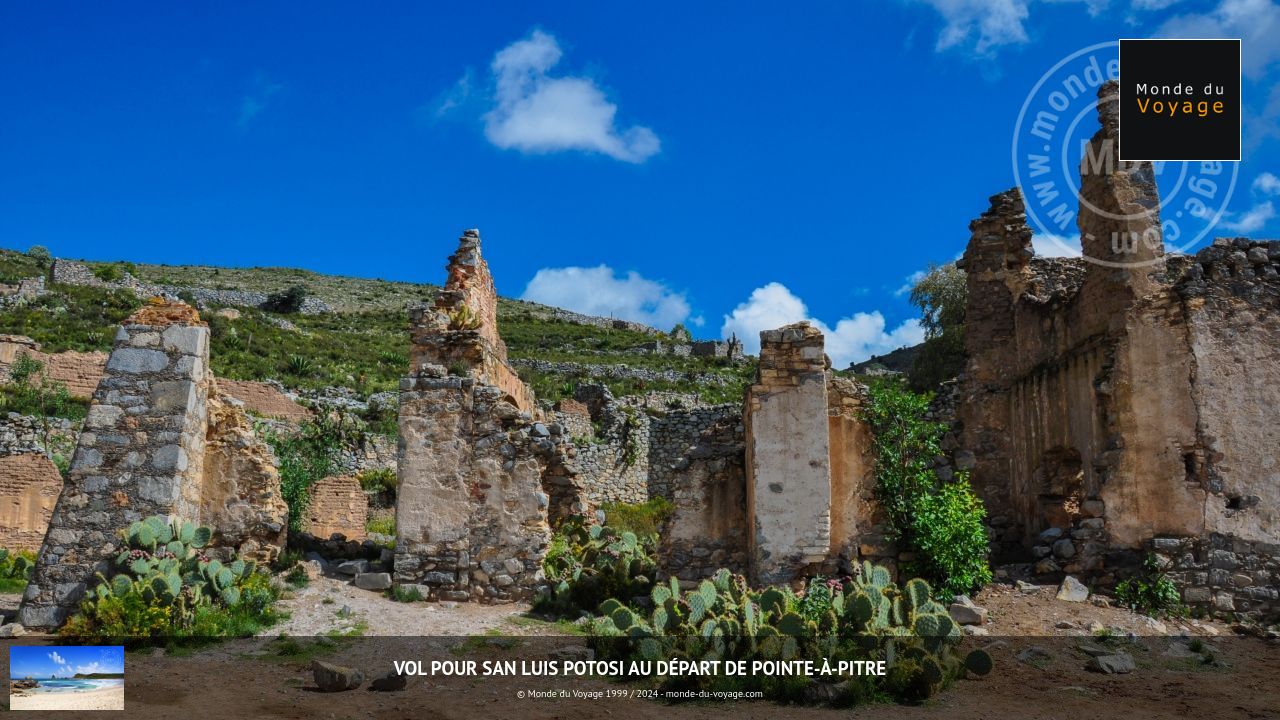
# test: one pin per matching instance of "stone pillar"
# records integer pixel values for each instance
(996, 265)
(1119, 216)
(788, 456)
(140, 454)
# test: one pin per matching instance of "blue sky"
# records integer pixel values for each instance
(64, 660)
(728, 165)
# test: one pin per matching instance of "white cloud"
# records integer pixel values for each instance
(57, 659)
(600, 291)
(93, 667)
(257, 99)
(455, 96)
(984, 24)
(1256, 217)
(1252, 220)
(1267, 184)
(1056, 245)
(534, 112)
(1154, 4)
(910, 283)
(1255, 22)
(853, 339)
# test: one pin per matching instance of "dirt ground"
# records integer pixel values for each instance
(270, 678)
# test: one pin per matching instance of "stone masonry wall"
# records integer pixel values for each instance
(1111, 409)
(706, 529)
(472, 511)
(140, 454)
(787, 455)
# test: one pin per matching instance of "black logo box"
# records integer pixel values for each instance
(1180, 63)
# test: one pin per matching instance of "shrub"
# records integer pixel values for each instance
(378, 480)
(400, 593)
(644, 519)
(587, 564)
(382, 525)
(1150, 591)
(286, 301)
(310, 455)
(15, 569)
(865, 618)
(107, 273)
(165, 584)
(941, 522)
(41, 255)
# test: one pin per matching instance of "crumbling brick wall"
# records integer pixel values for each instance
(460, 333)
(79, 371)
(29, 488)
(338, 505)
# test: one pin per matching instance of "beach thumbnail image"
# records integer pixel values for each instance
(66, 677)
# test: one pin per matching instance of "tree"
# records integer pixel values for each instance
(41, 255)
(680, 333)
(32, 392)
(941, 296)
(286, 301)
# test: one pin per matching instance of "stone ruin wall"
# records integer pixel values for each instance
(157, 440)
(79, 371)
(29, 488)
(1112, 410)
(611, 446)
(481, 478)
(338, 506)
(809, 469)
(460, 333)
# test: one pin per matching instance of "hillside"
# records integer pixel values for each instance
(363, 343)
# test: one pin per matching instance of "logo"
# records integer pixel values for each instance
(1051, 141)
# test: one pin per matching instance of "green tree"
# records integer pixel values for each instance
(30, 391)
(942, 522)
(41, 255)
(287, 301)
(941, 296)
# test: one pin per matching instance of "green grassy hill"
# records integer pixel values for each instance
(363, 345)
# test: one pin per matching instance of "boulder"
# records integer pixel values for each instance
(335, 678)
(1072, 590)
(12, 630)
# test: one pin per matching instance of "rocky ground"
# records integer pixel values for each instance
(1043, 648)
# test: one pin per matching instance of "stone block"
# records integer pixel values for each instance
(137, 361)
(187, 339)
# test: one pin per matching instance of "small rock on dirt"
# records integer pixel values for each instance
(964, 612)
(1028, 588)
(335, 678)
(1116, 664)
(354, 567)
(12, 630)
(1032, 655)
(391, 682)
(1072, 590)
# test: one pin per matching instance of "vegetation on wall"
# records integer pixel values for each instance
(941, 296)
(1150, 591)
(71, 317)
(941, 522)
(164, 584)
(309, 455)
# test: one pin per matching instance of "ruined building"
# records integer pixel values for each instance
(778, 489)
(480, 476)
(1126, 403)
(159, 439)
